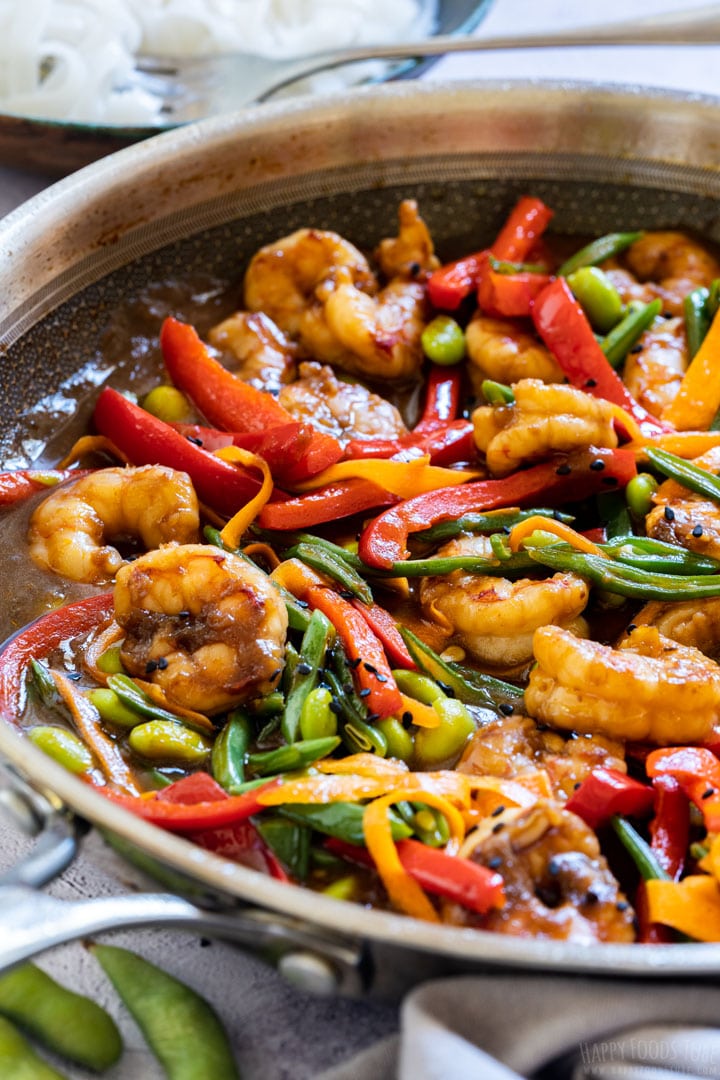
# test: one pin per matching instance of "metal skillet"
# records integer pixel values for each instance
(203, 198)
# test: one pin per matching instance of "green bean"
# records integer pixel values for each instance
(505, 266)
(18, 1060)
(297, 755)
(179, 1026)
(342, 820)
(605, 247)
(43, 684)
(315, 642)
(690, 476)
(109, 662)
(269, 705)
(625, 334)
(113, 710)
(317, 720)
(227, 761)
(319, 558)
(289, 841)
(477, 564)
(658, 557)
(639, 494)
(429, 825)
(73, 1026)
(597, 296)
(470, 687)
(496, 393)
(697, 318)
(639, 850)
(613, 511)
(362, 738)
(492, 521)
(626, 580)
(136, 699)
(345, 554)
(443, 341)
(399, 741)
(436, 746)
(168, 741)
(62, 746)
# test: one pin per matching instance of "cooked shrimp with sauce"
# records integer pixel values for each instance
(459, 590)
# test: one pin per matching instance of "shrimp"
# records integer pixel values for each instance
(501, 349)
(343, 409)
(557, 882)
(493, 618)
(651, 689)
(411, 252)
(689, 622)
(266, 358)
(514, 745)
(543, 419)
(204, 625)
(654, 371)
(683, 517)
(70, 530)
(290, 279)
(664, 264)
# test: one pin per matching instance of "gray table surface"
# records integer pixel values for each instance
(278, 1032)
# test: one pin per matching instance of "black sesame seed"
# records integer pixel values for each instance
(446, 688)
(406, 717)
(591, 897)
(150, 667)
(347, 688)
(372, 717)
(303, 668)
(591, 382)
(506, 530)
(553, 867)
(597, 465)
(498, 810)
(335, 707)
(192, 439)
(636, 348)
(74, 676)
(364, 692)
(622, 905)
(708, 794)
(498, 827)
(577, 784)
(183, 614)
(354, 663)
(631, 627)
(669, 513)
(346, 594)
(276, 674)
(506, 708)
(563, 470)
(380, 677)
(494, 863)
(414, 269)
(370, 668)
(302, 603)
(698, 530)
(162, 663)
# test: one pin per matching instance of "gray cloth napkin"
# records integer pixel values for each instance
(502, 1027)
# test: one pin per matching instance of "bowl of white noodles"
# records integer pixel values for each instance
(68, 91)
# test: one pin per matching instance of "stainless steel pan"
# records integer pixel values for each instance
(204, 197)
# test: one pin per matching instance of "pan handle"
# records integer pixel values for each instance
(32, 921)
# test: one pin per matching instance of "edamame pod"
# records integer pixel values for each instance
(67, 1023)
(164, 740)
(181, 1029)
(63, 746)
(18, 1060)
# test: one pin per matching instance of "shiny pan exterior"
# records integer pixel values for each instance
(205, 197)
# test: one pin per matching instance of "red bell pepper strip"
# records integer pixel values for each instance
(697, 770)
(451, 284)
(146, 440)
(38, 639)
(465, 882)
(188, 817)
(444, 445)
(239, 842)
(340, 500)
(564, 327)
(16, 486)
(442, 398)
(385, 629)
(365, 652)
(508, 295)
(292, 450)
(383, 543)
(232, 404)
(670, 827)
(606, 792)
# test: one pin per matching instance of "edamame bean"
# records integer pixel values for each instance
(168, 404)
(62, 746)
(434, 746)
(109, 662)
(344, 888)
(443, 341)
(399, 740)
(18, 1060)
(67, 1023)
(112, 710)
(181, 1029)
(597, 296)
(317, 720)
(420, 687)
(639, 494)
(162, 740)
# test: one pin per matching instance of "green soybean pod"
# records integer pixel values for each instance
(113, 710)
(67, 1023)
(435, 746)
(317, 720)
(443, 341)
(181, 1028)
(63, 746)
(597, 296)
(162, 740)
(168, 404)
(18, 1060)
(399, 740)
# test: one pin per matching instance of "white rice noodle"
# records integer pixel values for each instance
(73, 59)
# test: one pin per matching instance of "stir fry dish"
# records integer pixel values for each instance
(403, 583)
